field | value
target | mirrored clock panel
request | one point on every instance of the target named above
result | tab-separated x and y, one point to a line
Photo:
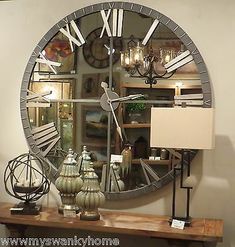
92	80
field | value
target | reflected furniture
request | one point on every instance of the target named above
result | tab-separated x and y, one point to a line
205	231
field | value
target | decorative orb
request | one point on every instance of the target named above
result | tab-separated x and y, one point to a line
25	178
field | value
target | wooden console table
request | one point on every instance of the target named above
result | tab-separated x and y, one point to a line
206	231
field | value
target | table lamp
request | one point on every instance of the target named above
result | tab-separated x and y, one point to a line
182	128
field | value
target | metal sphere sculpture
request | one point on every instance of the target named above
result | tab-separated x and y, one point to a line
25	178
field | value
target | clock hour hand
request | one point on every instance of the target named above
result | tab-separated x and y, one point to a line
108	48
129	97
104	85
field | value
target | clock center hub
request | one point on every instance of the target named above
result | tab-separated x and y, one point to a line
104	101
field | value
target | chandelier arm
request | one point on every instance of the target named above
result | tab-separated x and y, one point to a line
142	74
131	71
139	72
164	75
138	76
159	75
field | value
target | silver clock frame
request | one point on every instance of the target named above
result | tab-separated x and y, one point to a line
126	6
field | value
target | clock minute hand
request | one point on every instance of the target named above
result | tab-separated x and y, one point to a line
104	85
129	97
117	124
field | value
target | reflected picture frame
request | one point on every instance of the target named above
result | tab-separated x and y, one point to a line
94	125
59	50
91	84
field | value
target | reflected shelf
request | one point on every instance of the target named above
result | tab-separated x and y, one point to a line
136	126
151	162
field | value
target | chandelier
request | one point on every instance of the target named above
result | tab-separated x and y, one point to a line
147	65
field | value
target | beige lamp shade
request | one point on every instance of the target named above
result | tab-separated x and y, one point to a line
188	128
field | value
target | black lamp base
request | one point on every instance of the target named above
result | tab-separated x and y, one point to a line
26	209
187	220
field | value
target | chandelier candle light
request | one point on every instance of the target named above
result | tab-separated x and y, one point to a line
135	61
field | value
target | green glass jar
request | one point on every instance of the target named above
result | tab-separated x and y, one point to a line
90	198
69	183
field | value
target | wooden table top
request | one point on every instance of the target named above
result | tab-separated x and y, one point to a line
210	230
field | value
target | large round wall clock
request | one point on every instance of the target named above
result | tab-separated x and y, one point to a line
95	49
60	113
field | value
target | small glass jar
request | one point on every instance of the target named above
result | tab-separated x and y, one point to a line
125	166
164	154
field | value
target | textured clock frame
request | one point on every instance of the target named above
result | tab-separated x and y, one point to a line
126	6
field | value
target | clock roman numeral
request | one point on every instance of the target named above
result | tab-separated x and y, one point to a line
113	178
80	41
99	63
174	153
179	61
38	99
46	137
106	183
42	59
103	178
148	171
150	32
117	24
103	63
70	41
91	59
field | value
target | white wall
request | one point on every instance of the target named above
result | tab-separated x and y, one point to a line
209	23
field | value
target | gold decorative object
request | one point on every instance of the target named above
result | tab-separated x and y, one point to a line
69	183
90	198
85	161
164	154
116	180
125	166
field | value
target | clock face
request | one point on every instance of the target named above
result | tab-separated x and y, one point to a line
96	49
104	108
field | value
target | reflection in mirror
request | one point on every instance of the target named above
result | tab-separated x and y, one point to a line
64	102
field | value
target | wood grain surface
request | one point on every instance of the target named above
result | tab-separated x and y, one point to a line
206	230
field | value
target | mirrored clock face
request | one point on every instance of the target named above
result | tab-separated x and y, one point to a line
66	103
